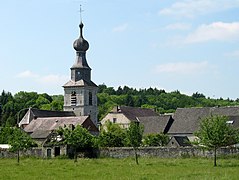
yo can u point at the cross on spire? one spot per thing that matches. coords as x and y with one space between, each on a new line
81 13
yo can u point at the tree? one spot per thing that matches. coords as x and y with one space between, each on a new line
215 132
19 141
135 135
155 139
77 138
5 134
112 135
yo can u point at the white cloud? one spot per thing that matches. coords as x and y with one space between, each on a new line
27 74
53 79
178 26
182 67
216 31
192 8
233 54
120 28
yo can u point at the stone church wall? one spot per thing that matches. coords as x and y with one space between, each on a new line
124 152
164 152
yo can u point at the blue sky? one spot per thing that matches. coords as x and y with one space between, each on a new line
188 45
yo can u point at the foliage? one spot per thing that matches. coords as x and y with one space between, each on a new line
215 132
135 135
77 138
112 135
155 140
158 99
19 141
5 134
12 106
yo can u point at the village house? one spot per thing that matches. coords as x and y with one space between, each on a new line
187 120
153 122
179 141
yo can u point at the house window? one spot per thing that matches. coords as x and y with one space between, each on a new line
90 98
48 153
73 98
114 120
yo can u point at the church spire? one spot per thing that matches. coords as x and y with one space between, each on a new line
80 91
81 44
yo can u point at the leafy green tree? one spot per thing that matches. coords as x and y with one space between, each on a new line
135 135
215 132
77 138
5 134
155 139
41 101
112 135
19 141
57 102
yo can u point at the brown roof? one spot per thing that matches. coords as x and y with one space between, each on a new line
53 123
155 124
132 113
37 113
40 134
187 120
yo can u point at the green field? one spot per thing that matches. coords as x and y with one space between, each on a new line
107 168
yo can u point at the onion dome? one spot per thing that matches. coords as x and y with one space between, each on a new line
81 44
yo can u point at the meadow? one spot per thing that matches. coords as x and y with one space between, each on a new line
108 168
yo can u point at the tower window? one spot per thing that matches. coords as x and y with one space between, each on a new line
90 98
73 98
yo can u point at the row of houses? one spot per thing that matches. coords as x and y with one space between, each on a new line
180 126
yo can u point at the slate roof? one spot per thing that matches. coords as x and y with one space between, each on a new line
39 134
53 123
155 124
187 120
79 83
132 113
182 140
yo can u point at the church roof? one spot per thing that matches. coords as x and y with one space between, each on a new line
39 134
54 123
81 44
37 113
79 83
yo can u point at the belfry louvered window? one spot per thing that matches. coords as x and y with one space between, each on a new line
90 98
73 98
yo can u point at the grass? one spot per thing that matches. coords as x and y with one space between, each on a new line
107 168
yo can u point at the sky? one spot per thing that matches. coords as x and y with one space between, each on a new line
187 45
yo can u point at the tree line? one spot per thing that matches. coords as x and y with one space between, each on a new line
11 106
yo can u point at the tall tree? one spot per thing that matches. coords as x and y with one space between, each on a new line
135 135
155 139
216 132
77 138
19 141
112 135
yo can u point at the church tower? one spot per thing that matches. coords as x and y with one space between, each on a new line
80 92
